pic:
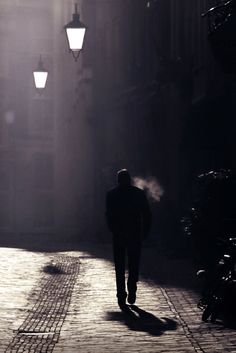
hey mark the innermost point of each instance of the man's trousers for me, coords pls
(124, 245)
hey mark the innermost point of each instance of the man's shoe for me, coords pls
(124, 307)
(131, 297)
(122, 304)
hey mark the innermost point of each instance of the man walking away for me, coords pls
(129, 219)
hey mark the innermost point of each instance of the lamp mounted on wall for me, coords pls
(75, 32)
(40, 76)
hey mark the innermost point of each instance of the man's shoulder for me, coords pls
(131, 189)
(137, 190)
(112, 191)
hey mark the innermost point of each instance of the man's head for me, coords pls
(123, 177)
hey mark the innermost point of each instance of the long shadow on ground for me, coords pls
(137, 319)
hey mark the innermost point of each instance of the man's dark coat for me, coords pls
(128, 212)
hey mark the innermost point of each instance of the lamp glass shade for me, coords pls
(75, 38)
(40, 78)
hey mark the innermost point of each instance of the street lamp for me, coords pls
(75, 32)
(40, 76)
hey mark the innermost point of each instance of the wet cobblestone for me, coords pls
(165, 318)
(104, 328)
(19, 272)
(41, 328)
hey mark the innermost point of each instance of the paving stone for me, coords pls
(77, 311)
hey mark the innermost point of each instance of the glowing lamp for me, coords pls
(75, 32)
(40, 76)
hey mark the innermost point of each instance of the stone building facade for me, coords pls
(162, 104)
(36, 155)
(27, 119)
(146, 93)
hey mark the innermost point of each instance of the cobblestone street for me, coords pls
(65, 302)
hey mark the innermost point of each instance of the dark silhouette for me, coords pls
(140, 320)
(129, 219)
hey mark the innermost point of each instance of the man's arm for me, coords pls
(109, 217)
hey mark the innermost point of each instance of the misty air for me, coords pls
(117, 176)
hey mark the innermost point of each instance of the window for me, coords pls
(43, 171)
(43, 209)
(41, 117)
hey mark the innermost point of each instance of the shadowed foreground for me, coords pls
(66, 301)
